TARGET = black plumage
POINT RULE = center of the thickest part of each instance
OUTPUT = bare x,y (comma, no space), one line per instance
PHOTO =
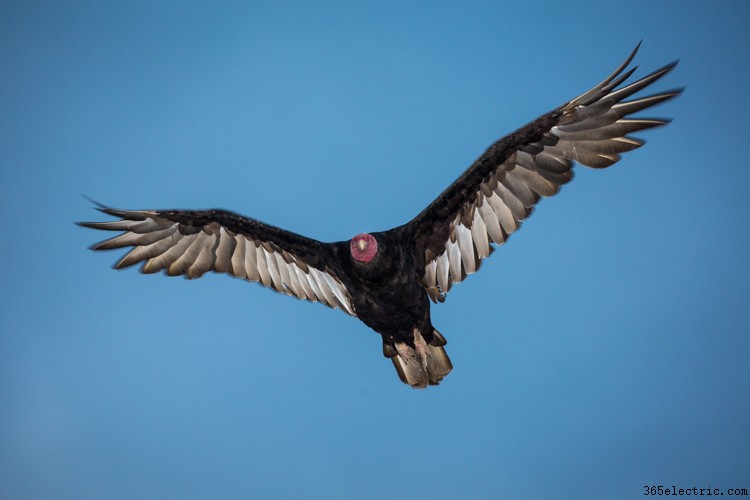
388,278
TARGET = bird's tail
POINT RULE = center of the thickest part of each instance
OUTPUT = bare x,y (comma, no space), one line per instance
424,364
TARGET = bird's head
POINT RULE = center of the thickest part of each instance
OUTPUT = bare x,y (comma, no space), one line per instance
363,247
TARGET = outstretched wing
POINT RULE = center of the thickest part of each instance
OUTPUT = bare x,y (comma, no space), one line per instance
191,243
491,199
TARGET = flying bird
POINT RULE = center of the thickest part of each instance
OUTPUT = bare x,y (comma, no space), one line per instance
387,279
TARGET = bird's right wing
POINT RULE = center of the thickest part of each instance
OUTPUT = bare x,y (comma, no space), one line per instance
193,242
491,198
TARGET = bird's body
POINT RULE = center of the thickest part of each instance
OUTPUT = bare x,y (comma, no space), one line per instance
386,291
390,299
387,279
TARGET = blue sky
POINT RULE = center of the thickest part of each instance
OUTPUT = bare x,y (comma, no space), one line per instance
603,349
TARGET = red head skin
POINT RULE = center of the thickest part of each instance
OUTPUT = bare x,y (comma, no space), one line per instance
363,247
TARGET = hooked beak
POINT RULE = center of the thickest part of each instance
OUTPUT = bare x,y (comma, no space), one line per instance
362,244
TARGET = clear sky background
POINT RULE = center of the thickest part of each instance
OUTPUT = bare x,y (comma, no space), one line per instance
603,349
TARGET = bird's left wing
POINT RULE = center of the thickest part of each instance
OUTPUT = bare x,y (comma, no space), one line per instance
491,198
191,243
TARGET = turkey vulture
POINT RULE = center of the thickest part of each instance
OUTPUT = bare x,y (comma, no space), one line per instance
387,279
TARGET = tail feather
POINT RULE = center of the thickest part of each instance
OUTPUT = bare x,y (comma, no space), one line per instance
423,364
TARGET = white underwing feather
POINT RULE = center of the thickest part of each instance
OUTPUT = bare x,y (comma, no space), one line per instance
188,254
238,258
454,259
263,268
513,203
466,248
139,254
325,290
504,215
479,235
283,273
491,222
304,282
273,270
224,251
163,261
443,270
251,261
131,239
202,263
